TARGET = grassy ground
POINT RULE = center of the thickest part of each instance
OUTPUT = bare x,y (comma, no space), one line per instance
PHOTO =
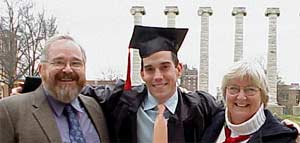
291,117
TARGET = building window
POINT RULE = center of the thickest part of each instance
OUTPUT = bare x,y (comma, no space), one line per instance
285,96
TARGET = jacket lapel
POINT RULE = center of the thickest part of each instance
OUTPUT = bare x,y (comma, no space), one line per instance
44,115
97,117
175,122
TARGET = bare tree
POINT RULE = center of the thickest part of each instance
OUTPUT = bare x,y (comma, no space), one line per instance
110,75
22,34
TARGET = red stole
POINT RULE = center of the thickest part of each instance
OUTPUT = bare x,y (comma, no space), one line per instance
234,139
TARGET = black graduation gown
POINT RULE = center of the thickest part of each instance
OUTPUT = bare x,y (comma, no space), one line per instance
272,131
193,114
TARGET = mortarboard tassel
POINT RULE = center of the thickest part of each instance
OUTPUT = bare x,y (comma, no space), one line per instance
127,85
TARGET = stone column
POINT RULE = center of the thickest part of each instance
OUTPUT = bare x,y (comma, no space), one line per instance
171,12
219,97
137,12
296,109
204,12
272,14
239,13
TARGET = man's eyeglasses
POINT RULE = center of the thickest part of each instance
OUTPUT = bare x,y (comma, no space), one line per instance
62,64
248,91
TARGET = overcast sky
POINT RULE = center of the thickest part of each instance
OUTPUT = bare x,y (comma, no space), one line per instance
104,28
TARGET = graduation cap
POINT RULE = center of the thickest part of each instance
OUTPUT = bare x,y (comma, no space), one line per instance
150,40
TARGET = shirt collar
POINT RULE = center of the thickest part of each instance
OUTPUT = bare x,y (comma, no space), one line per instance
150,102
248,127
58,106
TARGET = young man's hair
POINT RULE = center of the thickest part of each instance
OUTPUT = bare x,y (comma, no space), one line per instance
174,59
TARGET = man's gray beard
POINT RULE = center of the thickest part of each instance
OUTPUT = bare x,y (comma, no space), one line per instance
65,93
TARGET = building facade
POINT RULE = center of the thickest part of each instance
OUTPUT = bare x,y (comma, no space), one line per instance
189,78
288,96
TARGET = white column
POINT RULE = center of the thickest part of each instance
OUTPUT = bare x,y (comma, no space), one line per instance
204,12
272,13
171,12
137,12
239,13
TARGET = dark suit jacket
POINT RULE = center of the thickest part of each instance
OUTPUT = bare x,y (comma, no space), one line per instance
28,118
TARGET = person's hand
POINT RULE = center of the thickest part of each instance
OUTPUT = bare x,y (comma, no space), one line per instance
17,90
184,90
288,122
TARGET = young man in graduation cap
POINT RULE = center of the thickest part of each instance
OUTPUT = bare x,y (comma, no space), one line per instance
157,111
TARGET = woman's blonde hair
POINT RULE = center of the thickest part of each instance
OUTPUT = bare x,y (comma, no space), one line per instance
251,70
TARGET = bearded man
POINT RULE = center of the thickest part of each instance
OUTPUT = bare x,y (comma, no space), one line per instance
56,111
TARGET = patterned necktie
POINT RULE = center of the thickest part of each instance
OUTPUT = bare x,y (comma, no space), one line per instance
160,132
75,132
234,139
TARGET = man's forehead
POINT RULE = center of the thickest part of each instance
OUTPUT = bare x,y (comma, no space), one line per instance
63,43
65,49
157,63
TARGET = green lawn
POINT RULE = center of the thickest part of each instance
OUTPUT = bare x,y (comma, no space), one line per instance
291,117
